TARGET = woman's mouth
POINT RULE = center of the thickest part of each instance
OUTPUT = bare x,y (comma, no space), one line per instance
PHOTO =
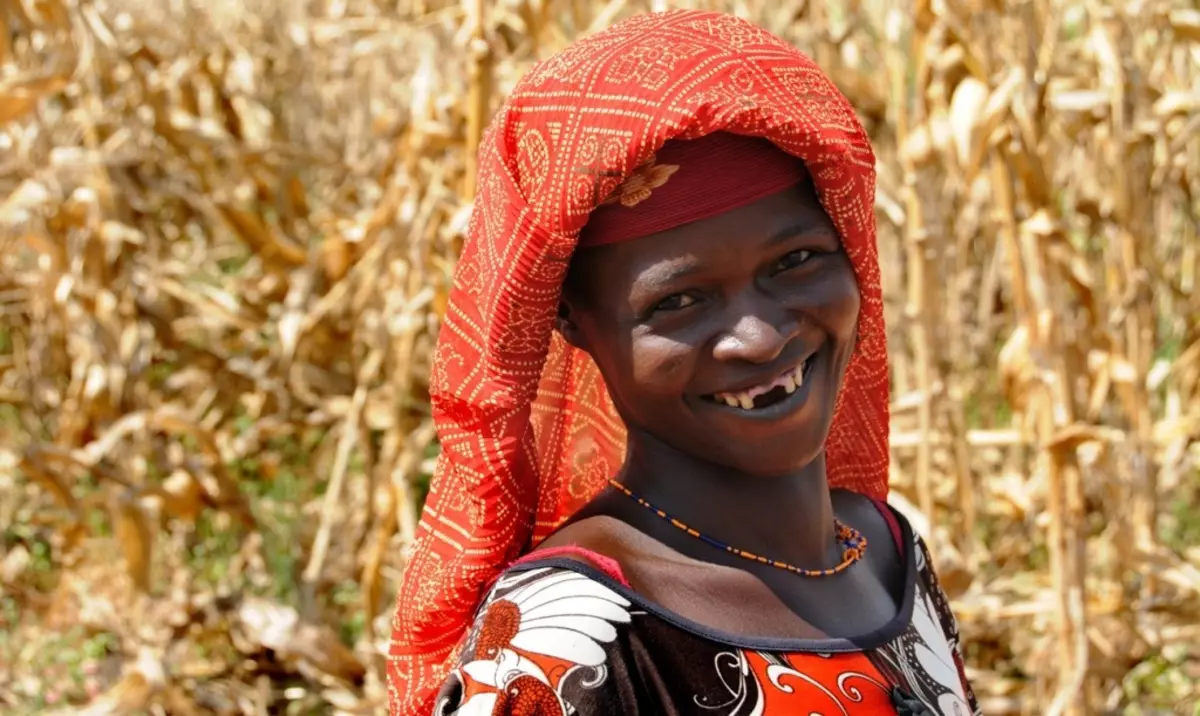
767,394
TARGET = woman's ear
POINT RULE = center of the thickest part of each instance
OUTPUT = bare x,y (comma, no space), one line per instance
568,324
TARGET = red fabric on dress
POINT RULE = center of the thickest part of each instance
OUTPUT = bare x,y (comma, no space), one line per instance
527,430
892,522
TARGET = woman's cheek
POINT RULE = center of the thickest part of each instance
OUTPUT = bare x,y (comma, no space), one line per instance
833,300
845,311
851,304
660,365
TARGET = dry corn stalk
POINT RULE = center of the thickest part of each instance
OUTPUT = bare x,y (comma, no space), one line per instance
226,236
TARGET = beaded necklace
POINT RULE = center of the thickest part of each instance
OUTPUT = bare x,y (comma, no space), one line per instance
854,544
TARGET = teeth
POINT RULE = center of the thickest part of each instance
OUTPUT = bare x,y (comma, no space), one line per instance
791,382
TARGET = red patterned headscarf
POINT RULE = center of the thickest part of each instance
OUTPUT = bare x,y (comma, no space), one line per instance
527,430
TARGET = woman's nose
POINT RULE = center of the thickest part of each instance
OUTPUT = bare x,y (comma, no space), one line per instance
756,335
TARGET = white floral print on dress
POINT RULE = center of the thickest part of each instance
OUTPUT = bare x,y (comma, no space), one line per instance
562,620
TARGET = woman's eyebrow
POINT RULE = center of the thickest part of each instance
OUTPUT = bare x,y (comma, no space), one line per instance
799,227
667,272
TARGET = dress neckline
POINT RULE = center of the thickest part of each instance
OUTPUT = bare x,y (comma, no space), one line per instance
863,642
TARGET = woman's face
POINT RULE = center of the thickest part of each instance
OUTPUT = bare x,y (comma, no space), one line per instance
726,338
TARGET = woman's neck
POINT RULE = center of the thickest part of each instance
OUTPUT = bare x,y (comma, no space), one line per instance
785,517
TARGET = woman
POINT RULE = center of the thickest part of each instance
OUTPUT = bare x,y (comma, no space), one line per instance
661,394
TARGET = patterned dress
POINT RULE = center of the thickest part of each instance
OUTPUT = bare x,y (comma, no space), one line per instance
556,637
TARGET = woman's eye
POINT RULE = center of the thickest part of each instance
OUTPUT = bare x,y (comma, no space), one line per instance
674,303
794,259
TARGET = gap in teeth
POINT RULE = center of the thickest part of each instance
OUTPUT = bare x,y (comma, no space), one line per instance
790,382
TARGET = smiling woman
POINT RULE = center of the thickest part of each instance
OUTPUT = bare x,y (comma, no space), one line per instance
695,325
661,391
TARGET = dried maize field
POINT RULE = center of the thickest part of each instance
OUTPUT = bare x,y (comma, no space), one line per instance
227,231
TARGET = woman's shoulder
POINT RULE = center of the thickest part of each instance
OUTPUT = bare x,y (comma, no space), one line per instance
543,636
608,537
540,588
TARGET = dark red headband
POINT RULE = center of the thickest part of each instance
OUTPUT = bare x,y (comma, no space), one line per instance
689,180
